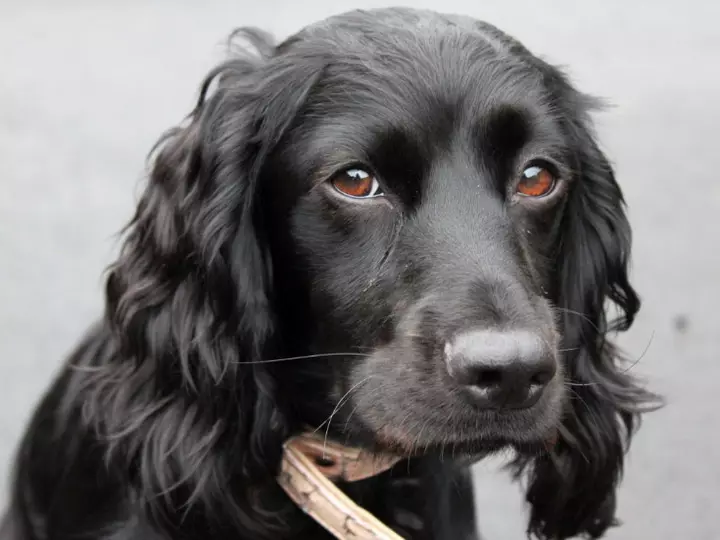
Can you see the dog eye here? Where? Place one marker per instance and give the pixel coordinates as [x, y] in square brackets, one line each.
[357, 183]
[536, 181]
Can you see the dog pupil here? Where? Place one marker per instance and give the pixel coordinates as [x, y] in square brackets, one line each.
[357, 184]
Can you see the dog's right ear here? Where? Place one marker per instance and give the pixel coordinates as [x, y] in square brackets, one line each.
[180, 396]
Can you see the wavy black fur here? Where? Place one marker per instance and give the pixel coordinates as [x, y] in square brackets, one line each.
[167, 421]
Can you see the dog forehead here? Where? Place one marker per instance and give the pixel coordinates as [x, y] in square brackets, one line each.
[398, 60]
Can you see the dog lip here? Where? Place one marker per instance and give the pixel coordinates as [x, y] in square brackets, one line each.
[495, 432]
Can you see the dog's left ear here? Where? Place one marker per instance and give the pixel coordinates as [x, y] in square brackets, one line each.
[572, 488]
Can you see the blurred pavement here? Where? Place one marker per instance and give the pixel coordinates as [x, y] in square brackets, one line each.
[87, 87]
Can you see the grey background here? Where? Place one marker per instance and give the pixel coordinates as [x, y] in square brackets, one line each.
[86, 88]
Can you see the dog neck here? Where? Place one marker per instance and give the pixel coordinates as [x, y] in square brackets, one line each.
[309, 469]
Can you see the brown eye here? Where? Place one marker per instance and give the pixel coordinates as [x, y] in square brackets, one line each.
[536, 181]
[356, 183]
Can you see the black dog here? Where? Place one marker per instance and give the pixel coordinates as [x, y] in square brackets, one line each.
[395, 226]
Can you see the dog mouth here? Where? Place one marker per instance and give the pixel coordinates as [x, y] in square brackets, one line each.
[464, 432]
[488, 438]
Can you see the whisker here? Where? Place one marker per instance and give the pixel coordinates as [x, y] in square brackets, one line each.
[347, 420]
[339, 404]
[580, 398]
[369, 396]
[571, 441]
[302, 357]
[418, 438]
[642, 355]
[579, 314]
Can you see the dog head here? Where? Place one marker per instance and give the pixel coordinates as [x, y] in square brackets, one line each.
[396, 225]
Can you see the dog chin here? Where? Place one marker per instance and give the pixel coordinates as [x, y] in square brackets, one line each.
[488, 443]
[461, 442]
[527, 431]
[472, 450]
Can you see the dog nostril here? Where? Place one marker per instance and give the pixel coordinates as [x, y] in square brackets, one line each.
[488, 377]
[542, 377]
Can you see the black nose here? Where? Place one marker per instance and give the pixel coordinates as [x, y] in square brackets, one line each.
[501, 369]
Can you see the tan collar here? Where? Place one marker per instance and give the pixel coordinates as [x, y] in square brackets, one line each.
[309, 467]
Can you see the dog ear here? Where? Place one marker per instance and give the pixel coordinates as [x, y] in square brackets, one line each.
[189, 300]
[572, 488]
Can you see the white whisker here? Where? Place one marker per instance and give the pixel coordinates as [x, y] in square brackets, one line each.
[302, 357]
[339, 404]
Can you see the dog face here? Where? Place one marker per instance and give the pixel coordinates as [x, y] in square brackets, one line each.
[396, 226]
[421, 190]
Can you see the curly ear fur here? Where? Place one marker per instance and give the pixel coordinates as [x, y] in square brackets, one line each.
[189, 303]
[572, 488]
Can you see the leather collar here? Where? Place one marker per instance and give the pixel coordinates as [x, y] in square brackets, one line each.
[309, 468]
[311, 465]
